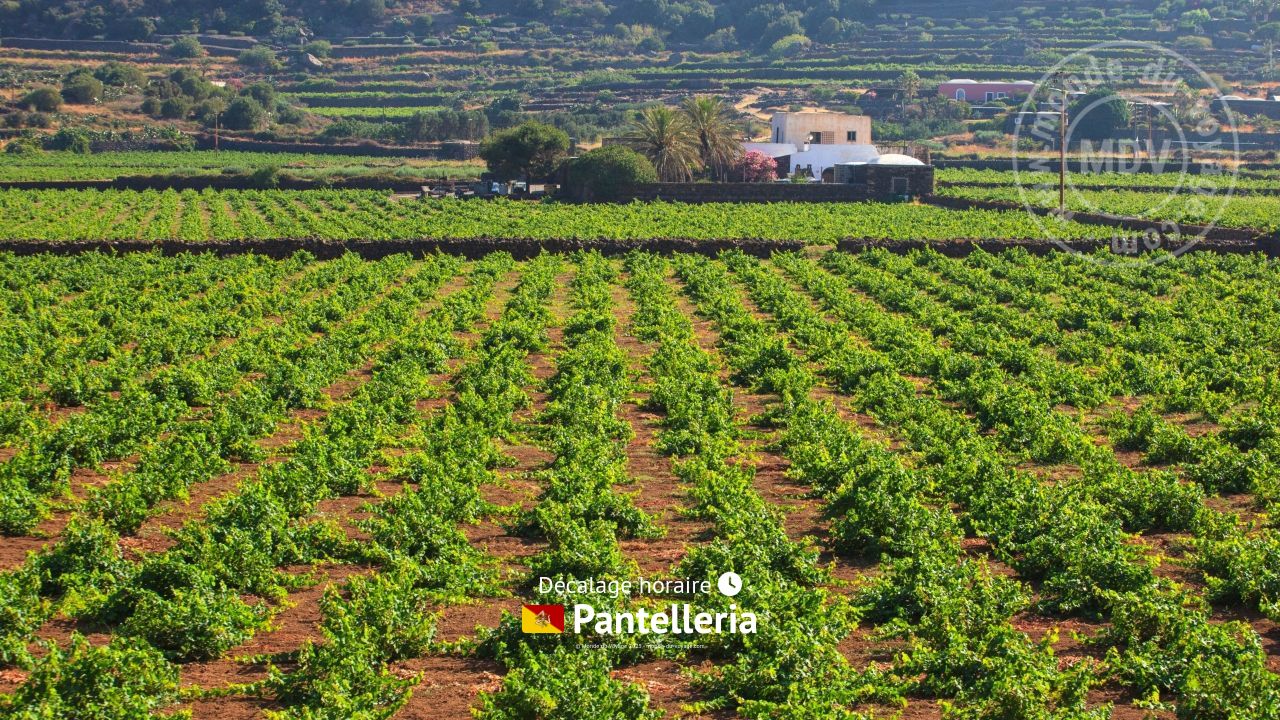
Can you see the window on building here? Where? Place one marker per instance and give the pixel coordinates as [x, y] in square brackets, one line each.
[960, 94]
[900, 186]
[851, 135]
[815, 138]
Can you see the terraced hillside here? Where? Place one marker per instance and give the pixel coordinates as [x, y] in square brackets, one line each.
[390, 74]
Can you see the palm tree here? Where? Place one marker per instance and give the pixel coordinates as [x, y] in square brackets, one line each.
[714, 132]
[1185, 103]
[908, 87]
[664, 136]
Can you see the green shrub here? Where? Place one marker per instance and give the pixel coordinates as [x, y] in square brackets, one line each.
[530, 151]
[83, 90]
[565, 684]
[788, 46]
[265, 177]
[73, 140]
[260, 58]
[244, 113]
[1165, 642]
[23, 146]
[1193, 42]
[125, 679]
[120, 74]
[43, 99]
[175, 108]
[186, 47]
[384, 609]
[604, 174]
[183, 610]
[22, 612]
[319, 48]
[194, 624]
[89, 556]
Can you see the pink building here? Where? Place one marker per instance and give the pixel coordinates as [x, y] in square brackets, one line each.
[973, 91]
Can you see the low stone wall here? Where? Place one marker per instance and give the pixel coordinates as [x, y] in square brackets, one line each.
[412, 99]
[964, 247]
[367, 51]
[121, 46]
[239, 42]
[1074, 166]
[107, 46]
[1083, 184]
[746, 192]
[1118, 221]
[437, 151]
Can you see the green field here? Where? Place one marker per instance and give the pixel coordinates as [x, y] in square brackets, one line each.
[59, 215]
[1169, 177]
[110, 165]
[959, 472]
[1212, 206]
[316, 487]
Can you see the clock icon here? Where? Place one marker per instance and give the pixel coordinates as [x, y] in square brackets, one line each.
[729, 584]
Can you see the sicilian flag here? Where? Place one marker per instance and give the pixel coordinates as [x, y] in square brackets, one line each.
[542, 618]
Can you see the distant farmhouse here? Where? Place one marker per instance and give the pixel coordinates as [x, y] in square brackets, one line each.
[973, 91]
[819, 157]
[836, 148]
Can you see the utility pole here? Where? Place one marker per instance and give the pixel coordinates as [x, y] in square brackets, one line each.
[1062, 157]
[1062, 144]
[217, 116]
[1151, 132]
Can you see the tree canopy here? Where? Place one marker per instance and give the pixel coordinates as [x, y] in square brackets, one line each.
[714, 131]
[527, 152]
[666, 138]
[1098, 114]
[604, 173]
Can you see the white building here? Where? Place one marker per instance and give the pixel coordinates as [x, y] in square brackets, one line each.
[820, 128]
[816, 141]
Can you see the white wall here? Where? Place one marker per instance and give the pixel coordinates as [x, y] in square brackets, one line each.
[794, 128]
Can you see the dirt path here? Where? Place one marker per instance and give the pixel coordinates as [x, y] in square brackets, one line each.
[658, 490]
[803, 514]
[152, 536]
[744, 106]
[13, 550]
[451, 683]
[300, 619]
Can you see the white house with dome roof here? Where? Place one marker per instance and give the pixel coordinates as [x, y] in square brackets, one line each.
[891, 175]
